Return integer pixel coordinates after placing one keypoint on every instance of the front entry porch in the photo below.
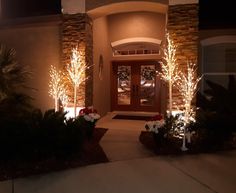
(121, 141)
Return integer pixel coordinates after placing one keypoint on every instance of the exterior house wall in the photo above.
(204, 34)
(182, 25)
(73, 6)
(77, 29)
(112, 28)
(77, 32)
(37, 46)
(183, 29)
(136, 24)
(101, 53)
(217, 53)
(139, 24)
(92, 4)
(105, 30)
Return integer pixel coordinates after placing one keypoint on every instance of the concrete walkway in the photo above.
(132, 169)
(121, 141)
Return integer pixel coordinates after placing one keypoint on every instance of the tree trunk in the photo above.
(170, 97)
(56, 104)
(75, 96)
(184, 148)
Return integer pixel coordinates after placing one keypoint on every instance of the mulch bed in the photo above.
(92, 153)
(173, 146)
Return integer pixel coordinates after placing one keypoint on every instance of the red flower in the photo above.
(86, 111)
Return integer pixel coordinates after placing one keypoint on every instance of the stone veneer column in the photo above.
(77, 31)
(183, 29)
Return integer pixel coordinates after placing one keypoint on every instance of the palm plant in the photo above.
(12, 74)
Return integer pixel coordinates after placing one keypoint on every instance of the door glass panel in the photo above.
(124, 83)
(147, 85)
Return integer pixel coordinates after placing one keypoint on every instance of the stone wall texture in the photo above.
(77, 31)
(183, 29)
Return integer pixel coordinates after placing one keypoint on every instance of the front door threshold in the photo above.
(137, 113)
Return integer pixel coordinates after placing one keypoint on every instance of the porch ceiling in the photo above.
(128, 7)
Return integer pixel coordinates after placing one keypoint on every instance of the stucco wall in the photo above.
(136, 24)
(204, 34)
(73, 6)
(101, 98)
(113, 28)
(82, 6)
(37, 47)
(92, 4)
(217, 55)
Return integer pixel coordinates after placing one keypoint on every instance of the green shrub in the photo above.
(213, 130)
(35, 136)
(220, 103)
(216, 117)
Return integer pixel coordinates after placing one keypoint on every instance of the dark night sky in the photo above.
(217, 14)
(25, 8)
(212, 13)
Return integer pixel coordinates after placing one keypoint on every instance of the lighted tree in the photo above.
(76, 70)
(187, 85)
(57, 88)
(169, 67)
(64, 97)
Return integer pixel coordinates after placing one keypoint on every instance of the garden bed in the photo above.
(172, 145)
(92, 153)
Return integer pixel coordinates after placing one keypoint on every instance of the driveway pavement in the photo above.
(135, 170)
(190, 174)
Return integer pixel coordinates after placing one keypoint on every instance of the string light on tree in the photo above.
(76, 70)
(64, 97)
(169, 67)
(187, 85)
(57, 88)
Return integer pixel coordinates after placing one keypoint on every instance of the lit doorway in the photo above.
(135, 86)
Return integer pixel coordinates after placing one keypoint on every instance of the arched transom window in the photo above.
(136, 46)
